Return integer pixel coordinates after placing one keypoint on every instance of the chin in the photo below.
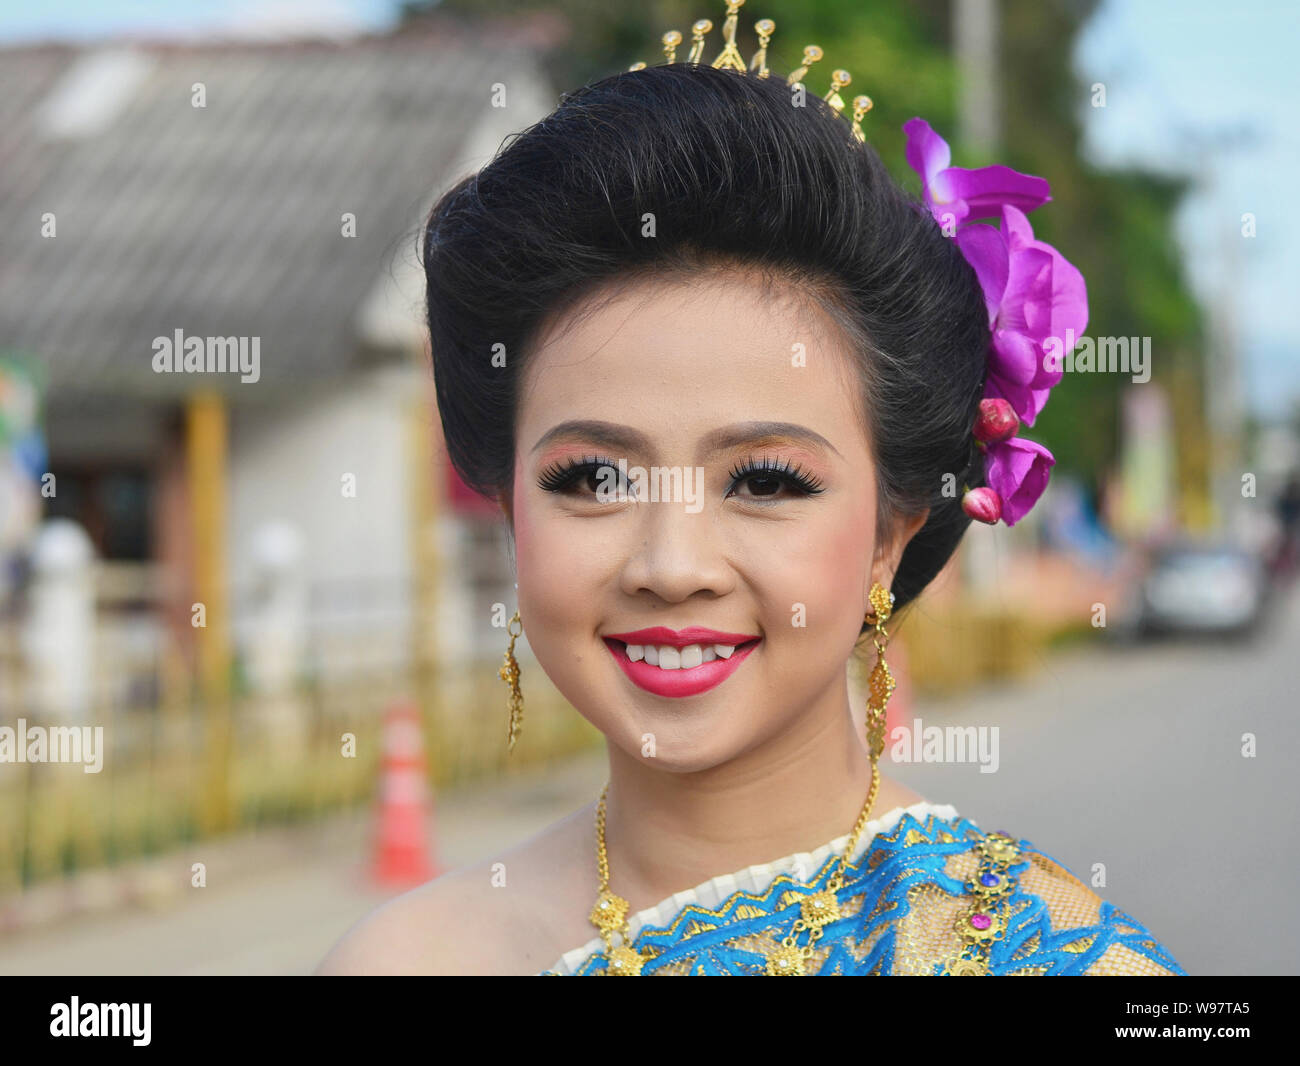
(686, 739)
(678, 754)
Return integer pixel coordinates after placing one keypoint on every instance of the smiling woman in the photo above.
(692, 277)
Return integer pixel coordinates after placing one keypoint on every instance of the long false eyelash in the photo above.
(792, 475)
(559, 476)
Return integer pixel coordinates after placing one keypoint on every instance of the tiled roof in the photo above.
(225, 220)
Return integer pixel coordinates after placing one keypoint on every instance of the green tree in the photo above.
(1116, 226)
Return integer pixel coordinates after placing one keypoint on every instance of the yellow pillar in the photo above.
(425, 495)
(206, 462)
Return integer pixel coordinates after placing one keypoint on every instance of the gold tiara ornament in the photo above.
(730, 59)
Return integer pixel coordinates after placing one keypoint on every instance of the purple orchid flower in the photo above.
(1017, 470)
(963, 193)
(1038, 306)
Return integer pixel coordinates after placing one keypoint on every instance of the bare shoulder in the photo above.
(513, 913)
(416, 933)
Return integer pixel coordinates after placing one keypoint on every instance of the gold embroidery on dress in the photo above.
(926, 921)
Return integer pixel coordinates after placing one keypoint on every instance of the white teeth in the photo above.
(667, 657)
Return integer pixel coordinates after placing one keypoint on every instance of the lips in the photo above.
(684, 682)
(681, 638)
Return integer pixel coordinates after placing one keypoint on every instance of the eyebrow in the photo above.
(622, 438)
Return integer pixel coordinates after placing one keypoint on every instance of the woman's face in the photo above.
(695, 385)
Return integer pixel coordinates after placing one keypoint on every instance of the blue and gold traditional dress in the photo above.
(927, 893)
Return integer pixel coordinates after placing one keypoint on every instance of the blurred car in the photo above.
(1202, 588)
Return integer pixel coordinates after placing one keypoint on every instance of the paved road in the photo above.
(1129, 758)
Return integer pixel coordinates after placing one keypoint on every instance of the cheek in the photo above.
(556, 572)
(545, 551)
(825, 566)
(850, 544)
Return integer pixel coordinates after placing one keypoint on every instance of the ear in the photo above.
(888, 553)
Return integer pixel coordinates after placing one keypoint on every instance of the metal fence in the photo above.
(305, 749)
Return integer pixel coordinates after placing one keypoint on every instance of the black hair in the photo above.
(735, 174)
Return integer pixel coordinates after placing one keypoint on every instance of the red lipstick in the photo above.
(686, 682)
(681, 638)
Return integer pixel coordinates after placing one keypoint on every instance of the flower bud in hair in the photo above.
(983, 505)
(996, 422)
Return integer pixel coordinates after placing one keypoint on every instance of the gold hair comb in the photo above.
(729, 59)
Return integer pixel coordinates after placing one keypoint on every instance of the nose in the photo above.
(679, 554)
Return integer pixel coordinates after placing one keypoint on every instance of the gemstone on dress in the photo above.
(1001, 848)
(608, 912)
(625, 962)
(820, 908)
(980, 921)
(785, 962)
(989, 880)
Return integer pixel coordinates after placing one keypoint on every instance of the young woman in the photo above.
(728, 383)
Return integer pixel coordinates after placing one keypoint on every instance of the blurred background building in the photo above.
(214, 561)
(286, 209)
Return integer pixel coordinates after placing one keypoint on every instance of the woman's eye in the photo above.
(772, 481)
(605, 481)
(592, 479)
(762, 484)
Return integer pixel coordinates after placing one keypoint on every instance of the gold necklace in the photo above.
(816, 910)
(609, 914)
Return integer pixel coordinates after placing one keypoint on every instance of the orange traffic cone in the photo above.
(401, 850)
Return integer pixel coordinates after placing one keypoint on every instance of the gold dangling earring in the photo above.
(881, 683)
(509, 673)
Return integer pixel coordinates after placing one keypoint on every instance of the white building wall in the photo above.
(293, 462)
(287, 463)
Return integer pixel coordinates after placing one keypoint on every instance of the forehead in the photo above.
(676, 357)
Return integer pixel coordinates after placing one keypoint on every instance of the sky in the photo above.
(1191, 85)
(1213, 87)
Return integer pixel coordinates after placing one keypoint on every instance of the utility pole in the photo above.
(979, 129)
(1223, 394)
(1223, 399)
(979, 103)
